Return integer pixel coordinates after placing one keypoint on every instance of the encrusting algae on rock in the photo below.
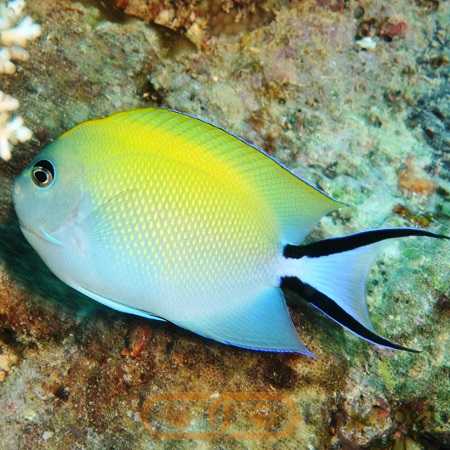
(8, 360)
(199, 21)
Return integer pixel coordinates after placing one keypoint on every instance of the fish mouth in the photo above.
(40, 234)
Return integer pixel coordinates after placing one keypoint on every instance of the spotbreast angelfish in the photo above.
(162, 215)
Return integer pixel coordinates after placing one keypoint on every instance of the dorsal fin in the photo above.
(297, 205)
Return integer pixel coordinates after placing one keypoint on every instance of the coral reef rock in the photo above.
(366, 123)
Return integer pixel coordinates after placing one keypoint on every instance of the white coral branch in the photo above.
(26, 30)
(12, 130)
(15, 33)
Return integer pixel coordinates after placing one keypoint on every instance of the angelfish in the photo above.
(162, 215)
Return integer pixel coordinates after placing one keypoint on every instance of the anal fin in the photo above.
(262, 323)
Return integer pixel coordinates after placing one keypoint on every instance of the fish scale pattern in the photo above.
(165, 228)
(185, 212)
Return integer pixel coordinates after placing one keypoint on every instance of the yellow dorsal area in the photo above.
(160, 133)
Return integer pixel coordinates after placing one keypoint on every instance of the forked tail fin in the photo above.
(331, 275)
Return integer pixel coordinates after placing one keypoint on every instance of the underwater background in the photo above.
(353, 95)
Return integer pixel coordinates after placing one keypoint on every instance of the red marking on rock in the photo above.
(122, 4)
(139, 339)
(391, 30)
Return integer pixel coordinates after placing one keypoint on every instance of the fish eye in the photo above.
(43, 173)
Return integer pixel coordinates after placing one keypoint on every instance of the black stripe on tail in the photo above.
(336, 313)
(343, 244)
